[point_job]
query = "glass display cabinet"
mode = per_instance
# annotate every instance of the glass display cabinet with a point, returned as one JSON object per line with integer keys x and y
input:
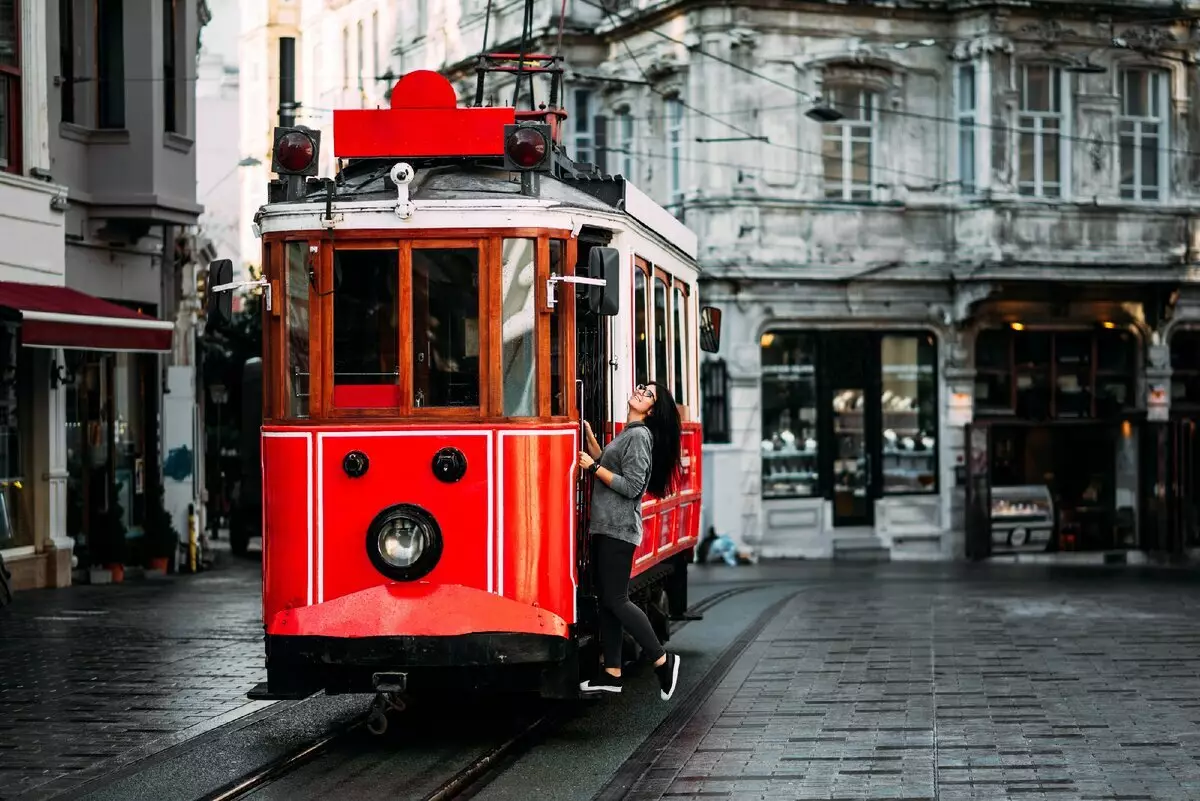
{"x": 1022, "y": 518}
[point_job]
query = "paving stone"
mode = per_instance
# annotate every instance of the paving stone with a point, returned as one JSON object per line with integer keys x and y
{"x": 89, "y": 674}
{"x": 955, "y": 683}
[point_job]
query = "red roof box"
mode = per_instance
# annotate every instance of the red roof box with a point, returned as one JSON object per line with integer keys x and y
{"x": 423, "y": 122}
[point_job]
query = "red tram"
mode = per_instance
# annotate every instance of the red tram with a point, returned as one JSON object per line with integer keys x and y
{"x": 438, "y": 322}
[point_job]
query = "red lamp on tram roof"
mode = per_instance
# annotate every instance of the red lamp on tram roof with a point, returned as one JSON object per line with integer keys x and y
{"x": 296, "y": 151}
{"x": 527, "y": 147}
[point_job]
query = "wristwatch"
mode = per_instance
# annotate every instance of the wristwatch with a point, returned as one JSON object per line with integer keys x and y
{"x": 593, "y": 467}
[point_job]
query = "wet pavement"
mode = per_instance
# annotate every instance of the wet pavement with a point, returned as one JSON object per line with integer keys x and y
{"x": 821, "y": 681}
{"x": 92, "y": 677}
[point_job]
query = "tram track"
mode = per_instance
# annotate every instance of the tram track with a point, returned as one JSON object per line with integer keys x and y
{"x": 482, "y": 767}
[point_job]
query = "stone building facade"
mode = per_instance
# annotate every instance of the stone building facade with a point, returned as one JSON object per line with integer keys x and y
{"x": 959, "y": 307}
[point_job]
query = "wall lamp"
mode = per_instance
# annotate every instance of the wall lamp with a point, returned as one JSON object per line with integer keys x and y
{"x": 60, "y": 374}
{"x": 821, "y": 111}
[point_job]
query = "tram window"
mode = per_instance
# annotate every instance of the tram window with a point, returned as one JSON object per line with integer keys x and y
{"x": 558, "y": 400}
{"x": 366, "y": 330}
{"x": 662, "y": 370}
{"x": 641, "y": 347}
{"x": 679, "y": 312}
{"x": 445, "y": 326}
{"x": 297, "y": 282}
{"x": 518, "y": 317}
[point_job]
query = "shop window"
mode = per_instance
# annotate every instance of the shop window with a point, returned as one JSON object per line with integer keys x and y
{"x": 662, "y": 368}
{"x": 1042, "y": 375}
{"x": 13, "y": 377}
{"x": 641, "y": 346}
{"x": 519, "y": 318}
{"x": 714, "y": 407}
{"x": 128, "y": 439}
{"x": 789, "y": 415}
{"x": 908, "y": 401}
{"x": 679, "y": 310}
{"x": 366, "y": 330}
{"x": 445, "y": 326}
{"x": 296, "y": 280}
{"x": 1185, "y": 371}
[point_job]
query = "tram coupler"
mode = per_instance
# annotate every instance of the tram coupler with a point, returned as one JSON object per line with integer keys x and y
{"x": 389, "y": 682}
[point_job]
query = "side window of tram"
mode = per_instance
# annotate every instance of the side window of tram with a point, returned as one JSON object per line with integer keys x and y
{"x": 445, "y": 326}
{"x": 297, "y": 328}
{"x": 366, "y": 329}
{"x": 661, "y": 321}
{"x": 679, "y": 312}
{"x": 641, "y": 346}
{"x": 558, "y": 382}
{"x": 518, "y": 317}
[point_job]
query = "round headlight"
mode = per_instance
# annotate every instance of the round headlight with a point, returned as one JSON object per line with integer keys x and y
{"x": 404, "y": 542}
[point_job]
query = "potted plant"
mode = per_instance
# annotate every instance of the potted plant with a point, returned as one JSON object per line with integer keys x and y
{"x": 162, "y": 538}
{"x": 108, "y": 538}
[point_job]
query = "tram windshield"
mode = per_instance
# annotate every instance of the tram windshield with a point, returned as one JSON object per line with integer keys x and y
{"x": 421, "y": 327}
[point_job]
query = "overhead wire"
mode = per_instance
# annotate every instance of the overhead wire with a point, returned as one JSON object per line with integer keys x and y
{"x": 978, "y": 124}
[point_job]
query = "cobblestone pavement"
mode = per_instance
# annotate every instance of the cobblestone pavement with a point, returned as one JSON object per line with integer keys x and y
{"x": 917, "y": 682}
{"x": 94, "y": 675}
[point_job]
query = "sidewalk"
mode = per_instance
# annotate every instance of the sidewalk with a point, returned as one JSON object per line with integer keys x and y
{"x": 94, "y": 676}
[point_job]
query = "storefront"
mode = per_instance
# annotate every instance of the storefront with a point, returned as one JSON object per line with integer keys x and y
{"x": 850, "y": 436}
{"x": 1054, "y": 450}
{"x": 78, "y": 417}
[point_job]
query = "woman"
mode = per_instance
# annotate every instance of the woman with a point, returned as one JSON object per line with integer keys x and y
{"x": 644, "y": 457}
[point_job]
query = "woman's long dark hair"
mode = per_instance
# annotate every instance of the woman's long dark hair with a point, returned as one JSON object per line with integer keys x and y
{"x": 663, "y": 422}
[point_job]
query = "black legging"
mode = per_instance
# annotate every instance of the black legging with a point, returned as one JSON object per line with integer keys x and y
{"x": 612, "y": 562}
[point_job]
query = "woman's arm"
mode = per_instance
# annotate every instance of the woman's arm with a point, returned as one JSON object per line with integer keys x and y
{"x": 635, "y": 467}
{"x": 591, "y": 445}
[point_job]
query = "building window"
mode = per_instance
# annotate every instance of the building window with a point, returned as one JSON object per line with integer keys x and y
{"x": 170, "y": 88}
{"x": 1143, "y": 134}
{"x": 714, "y": 408}
{"x": 789, "y": 415}
{"x": 10, "y": 86}
{"x": 967, "y": 132}
{"x": 422, "y": 17}
{"x": 375, "y": 71}
{"x": 362, "y": 56}
{"x": 345, "y": 58}
{"x": 66, "y": 59}
{"x": 908, "y": 399}
{"x": 1041, "y": 166}
{"x": 1185, "y": 372}
{"x": 641, "y": 347}
{"x": 849, "y": 145}
{"x": 581, "y": 115}
{"x": 110, "y": 64}
{"x": 675, "y": 151}
{"x": 625, "y": 144}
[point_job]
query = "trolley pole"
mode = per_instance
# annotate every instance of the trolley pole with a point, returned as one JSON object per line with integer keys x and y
{"x": 287, "y": 82}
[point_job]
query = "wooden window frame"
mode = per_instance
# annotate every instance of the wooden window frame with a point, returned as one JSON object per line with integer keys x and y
{"x": 490, "y": 243}
{"x": 12, "y": 77}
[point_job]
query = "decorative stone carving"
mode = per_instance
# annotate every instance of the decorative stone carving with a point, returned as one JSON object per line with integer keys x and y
{"x": 1050, "y": 31}
{"x": 981, "y": 46}
{"x": 966, "y": 296}
{"x": 1147, "y": 39}
{"x": 743, "y": 38}
{"x": 663, "y": 65}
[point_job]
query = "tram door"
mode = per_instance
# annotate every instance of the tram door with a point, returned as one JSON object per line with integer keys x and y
{"x": 592, "y": 381}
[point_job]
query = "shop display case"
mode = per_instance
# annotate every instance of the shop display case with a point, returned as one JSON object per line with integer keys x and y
{"x": 1022, "y": 518}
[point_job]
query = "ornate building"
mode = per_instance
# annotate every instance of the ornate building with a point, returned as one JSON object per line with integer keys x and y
{"x": 928, "y": 226}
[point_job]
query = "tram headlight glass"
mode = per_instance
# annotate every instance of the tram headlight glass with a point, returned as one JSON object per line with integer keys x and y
{"x": 527, "y": 147}
{"x": 295, "y": 151}
{"x": 404, "y": 542}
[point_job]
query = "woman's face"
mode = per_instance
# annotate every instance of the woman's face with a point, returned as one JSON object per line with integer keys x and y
{"x": 642, "y": 398}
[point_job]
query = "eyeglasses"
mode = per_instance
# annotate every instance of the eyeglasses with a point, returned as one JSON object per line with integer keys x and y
{"x": 644, "y": 391}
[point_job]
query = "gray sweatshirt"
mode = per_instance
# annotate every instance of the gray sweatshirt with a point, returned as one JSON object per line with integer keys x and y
{"x": 617, "y": 510}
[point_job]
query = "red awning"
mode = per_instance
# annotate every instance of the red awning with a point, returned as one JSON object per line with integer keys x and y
{"x": 58, "y": 317}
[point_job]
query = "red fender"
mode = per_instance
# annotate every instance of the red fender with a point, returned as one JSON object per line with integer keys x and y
{"x": 417, "y": 609}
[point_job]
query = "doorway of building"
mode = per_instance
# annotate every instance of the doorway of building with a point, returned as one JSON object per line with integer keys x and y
{"x": 853, "y": 418}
